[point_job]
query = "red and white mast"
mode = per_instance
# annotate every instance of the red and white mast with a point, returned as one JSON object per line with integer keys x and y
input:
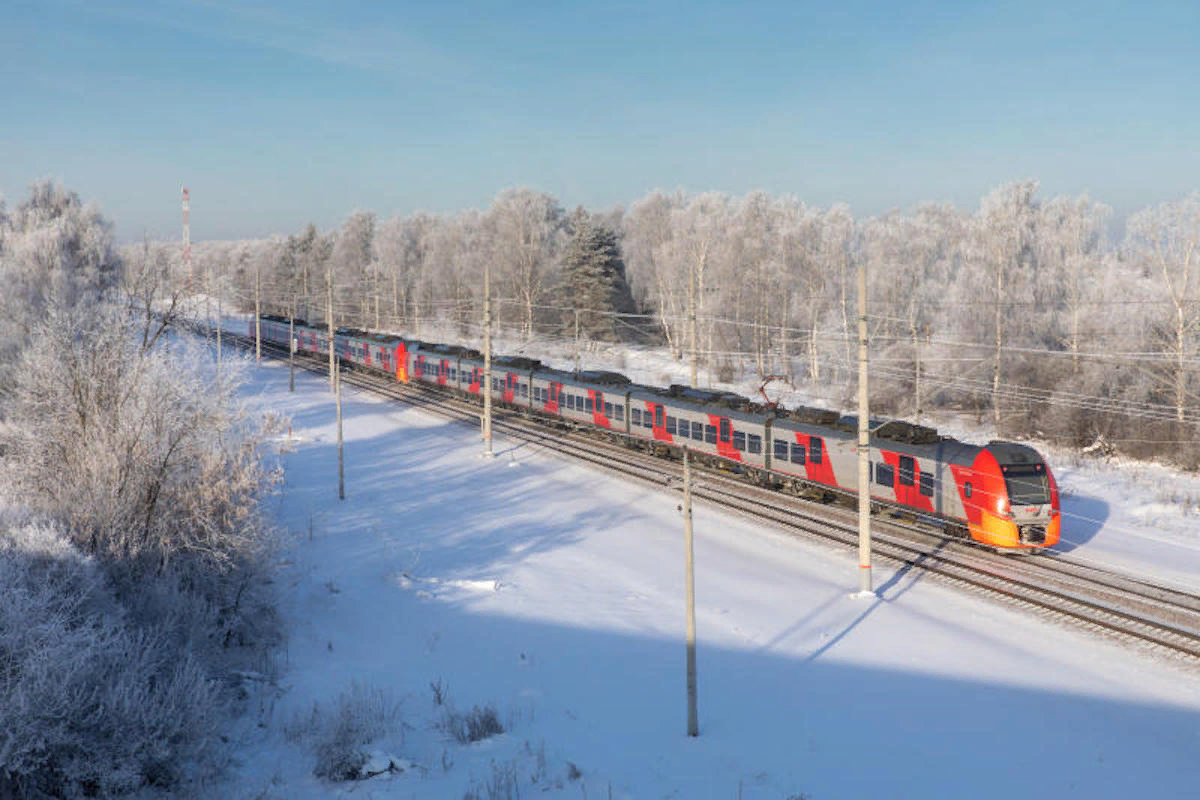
{"x": 187, "y": 239}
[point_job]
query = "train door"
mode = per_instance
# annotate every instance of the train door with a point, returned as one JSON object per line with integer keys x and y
{"x": 597, "y": 398}
{"x": 906, "y": 480}
{"x": 660, "y": 423}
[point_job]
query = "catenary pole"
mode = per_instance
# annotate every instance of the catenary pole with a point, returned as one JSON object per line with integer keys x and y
{"x": 257, "y": 310}
{"x": 693, "y": 723}
{"x": 487, "y": 361}
{"x": 577, "y": 340}
{"x": 692, "y": 322}
{"x": 329, "y": 321}
{"x": 341, "y": 462}
{"x": 292, "y": 349}
{"x": 864, "y": 442}
{"x": 219, "y": 346}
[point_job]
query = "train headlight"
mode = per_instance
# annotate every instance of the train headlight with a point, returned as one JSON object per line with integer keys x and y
{"x": 1001, "y": 505}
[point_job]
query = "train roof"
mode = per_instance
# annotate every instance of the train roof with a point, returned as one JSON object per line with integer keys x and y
{"x": 601, "y": 378}
{"x": 385, "y": 338}
{"x": 1013, "y": 453}
{"x": 678, "y": 393}
{"x": 452, "y": 350}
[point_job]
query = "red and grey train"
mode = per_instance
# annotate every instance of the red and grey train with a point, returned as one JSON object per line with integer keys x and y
{"x": 1001, "y": 494}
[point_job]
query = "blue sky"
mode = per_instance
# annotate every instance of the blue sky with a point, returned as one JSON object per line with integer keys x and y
{"x": 281, "y": 113}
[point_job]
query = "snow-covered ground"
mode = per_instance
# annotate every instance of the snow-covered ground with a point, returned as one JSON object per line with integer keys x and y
{"x": 555, "y": 595}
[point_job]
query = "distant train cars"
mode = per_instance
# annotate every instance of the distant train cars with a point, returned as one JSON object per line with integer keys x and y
{"x": 1001, "y": 494}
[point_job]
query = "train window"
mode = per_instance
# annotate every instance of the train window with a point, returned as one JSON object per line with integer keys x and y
{"x": 967, "y": 489}
{"x": 815, "y": 452}
{"x": 885, "y": 475}
{"x": 710, "y": 434}
{"x": 608, "y": 410}
{"x": 587, "y": 404}
{"x": 797, "y": 453}
{"x": 671, "y": 425}
{"x": 648, "y": 419}
{"x": 724, "y": 430}
{"x": 908, "y": 468}
{"x": 781, "y": 450}
{"x": 635, "y": 415}
{"x": 739, "y": 440}
{"x": 619, "y": 408}
{"x": 754, "y": 443}
{"x": 697, "y": 432}
{"x": 927, "y": 484}
{"x": 659, "y": 421}
{"x": 524, "y": 390}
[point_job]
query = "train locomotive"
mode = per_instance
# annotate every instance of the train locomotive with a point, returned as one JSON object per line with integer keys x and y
{"x": 1001, "y": 494}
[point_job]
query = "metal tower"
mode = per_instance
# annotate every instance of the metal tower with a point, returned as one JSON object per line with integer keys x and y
{"x": 187, "y": 240}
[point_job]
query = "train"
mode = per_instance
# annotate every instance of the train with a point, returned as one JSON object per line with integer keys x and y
{"x": 1001, "y": 495}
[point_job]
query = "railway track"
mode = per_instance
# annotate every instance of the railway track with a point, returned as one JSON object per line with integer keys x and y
{"x": 1163, "y": 619}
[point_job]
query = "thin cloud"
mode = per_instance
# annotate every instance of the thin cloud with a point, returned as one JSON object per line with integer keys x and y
{"x": 313, "y": 33}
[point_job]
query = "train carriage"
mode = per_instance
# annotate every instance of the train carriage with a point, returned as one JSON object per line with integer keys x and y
{"x": 596, "y": 398}
{"x": 350, "y": 344}
{"x": 435, "y": 364}
{"x": 548, "y": 391}
{"x": 719, "y": 424}
{"x": 813, "y": 448}
{"x": 272, "y": 328}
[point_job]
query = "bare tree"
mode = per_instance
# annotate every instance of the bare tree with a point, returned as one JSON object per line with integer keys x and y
{"x": 528, "y": 234}
{"x": 1165, "y": 241}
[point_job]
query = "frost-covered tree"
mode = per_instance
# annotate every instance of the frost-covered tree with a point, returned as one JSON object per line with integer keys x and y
{"x": 527, "y": 233}
{"x": 55, "y": 252}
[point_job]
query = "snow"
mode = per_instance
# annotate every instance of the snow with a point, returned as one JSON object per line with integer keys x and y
{"x": 555, "y": 594}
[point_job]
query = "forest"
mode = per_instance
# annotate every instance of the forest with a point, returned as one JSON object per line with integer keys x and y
{"x": 1030, "y": 314}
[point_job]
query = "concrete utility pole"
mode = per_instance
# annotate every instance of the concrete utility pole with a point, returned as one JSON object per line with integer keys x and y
{"x": 693, "y": 723}
{"x": 692, "y": 322}
{"x": 219, "y": 346}
{"x": 487, "y": 362}
{"x": 257, "y": 311}
{"x": 577, "y": 340}
{"x": 864, "y": 443}
{"x": 329, "y": 319}
{"x": 341, "y": 463}
{"x": 292, "y": 350}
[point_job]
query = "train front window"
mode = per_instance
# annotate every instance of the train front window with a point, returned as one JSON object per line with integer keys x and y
{"x": 1027, "y": 484}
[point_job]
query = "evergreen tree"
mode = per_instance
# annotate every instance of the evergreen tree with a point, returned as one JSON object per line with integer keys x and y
{"x": 594, "y": 279}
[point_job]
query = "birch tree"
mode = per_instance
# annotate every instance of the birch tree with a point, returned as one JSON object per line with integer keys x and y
{"x": 1165, "y": 242}
{"x": 528, "y": 232}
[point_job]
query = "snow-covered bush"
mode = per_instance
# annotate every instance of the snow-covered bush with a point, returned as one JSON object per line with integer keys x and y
{"x": 340, "y": 736}
{"x": 480, "y": 723}
{"x": 145, "y": 457}
{"x": 90, "y": 704}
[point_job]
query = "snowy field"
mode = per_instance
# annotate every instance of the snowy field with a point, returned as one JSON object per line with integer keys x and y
{"x": 554, "y": 595}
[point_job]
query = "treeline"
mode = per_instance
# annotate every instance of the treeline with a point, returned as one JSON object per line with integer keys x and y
{"x": 1025, "y": 312}
{"x": 133, "y": 554}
